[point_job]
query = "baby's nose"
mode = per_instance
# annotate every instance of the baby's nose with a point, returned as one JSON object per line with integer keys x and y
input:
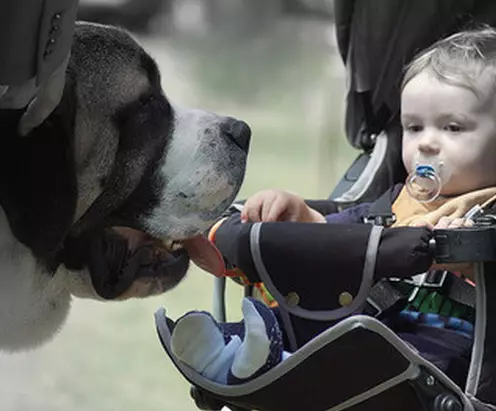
{"x": 429, "y": 144}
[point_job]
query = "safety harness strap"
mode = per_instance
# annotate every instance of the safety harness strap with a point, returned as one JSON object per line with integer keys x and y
{"x": 392, "y": 295}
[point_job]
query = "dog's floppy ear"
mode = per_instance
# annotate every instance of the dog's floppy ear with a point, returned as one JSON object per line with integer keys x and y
{"x": 143, "y": 129}
{"x": 37, "y": 178}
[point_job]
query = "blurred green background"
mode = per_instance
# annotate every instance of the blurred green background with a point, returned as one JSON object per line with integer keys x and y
{"x": 282, "y": 75}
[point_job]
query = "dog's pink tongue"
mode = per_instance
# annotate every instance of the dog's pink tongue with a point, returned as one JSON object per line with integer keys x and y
{"x": 205, "y": 255}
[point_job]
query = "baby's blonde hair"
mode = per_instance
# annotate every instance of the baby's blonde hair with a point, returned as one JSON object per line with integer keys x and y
{"x": 458, "y": 59}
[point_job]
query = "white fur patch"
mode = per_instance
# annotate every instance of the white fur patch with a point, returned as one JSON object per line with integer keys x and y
{"x": 200, "y": 173}
{"x": 33, "y": 304}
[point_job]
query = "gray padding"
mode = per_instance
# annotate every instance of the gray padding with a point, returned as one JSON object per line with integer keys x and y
{"x": 475, "y": 368}
{"x": 357, "y": 190}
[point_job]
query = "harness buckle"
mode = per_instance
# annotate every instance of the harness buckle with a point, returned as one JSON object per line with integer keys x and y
{"x": 384, "y": 299}
{"x": 385, "y": 220}
{"x": 435, "y": 279}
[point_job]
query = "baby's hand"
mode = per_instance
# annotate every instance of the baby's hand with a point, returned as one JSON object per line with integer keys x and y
{"x": 449, "y": 223}
{"x": 466, "y": 269}
{"x": 444, "y": 223}
{"x": 278, "y": 205}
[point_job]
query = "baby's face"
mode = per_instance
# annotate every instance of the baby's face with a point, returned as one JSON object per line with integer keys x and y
{"x": 454, "y": 125}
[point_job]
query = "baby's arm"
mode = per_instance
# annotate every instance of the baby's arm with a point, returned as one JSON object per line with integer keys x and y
{"x": 279, "y": 205}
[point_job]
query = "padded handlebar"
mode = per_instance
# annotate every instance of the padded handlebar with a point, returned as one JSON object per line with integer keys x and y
{"x": 474, "y": 244}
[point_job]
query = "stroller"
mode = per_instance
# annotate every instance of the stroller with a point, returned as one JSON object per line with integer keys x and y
{"x": 359, "y": 363}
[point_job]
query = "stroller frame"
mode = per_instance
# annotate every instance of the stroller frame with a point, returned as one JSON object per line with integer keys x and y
{"x": 438, "y": 390}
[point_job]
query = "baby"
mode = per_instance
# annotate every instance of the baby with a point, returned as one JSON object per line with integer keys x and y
{"x": 448, "y": 114}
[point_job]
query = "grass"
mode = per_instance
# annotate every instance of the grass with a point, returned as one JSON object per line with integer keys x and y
{"x": 107, "y": 357}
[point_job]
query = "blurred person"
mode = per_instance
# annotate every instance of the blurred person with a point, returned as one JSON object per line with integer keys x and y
{"x": 35, "y": 43}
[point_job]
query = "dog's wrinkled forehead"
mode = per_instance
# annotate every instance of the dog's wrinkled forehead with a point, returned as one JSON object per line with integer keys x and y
{"x": 120, "y": 108}
{"x": 114, "y": 67}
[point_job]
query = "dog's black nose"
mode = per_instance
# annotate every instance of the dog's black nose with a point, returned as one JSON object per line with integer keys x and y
{"x": 238, "y": 131}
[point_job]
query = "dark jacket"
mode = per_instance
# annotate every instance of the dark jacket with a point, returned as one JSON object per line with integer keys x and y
{"x": 35, "y": 38}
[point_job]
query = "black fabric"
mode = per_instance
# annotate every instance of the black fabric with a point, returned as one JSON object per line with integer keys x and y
{"x": 401, "y": 397}
{"x": 233, "y": 240}
{"x": 324, "y": 261}
{"x": 205, "y": 400}
{"x": 377, "y": 37}
{"x": 317, "y": 261}
{"x": 343, "y": 14}
{"x": 321, "y": 261}
{"x": 19, "y": 27}
{"x": 403, "y": 252}
{"x": 446, "y": 349}
{"x": 342, "y": 370}
{"x": 38, "y": 178}
{"x": 293, "y": 250}
{"x": 468, "y": 244}
{"x": 35, "y": 38}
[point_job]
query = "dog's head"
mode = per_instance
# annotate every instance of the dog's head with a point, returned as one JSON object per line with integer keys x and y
{"x": 122, "y": 178}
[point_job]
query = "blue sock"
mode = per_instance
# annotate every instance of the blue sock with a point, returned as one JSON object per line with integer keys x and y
{"x": 262, "y": 346}
{"x": 227, "y": 353}
{"x": 198, "y": 341}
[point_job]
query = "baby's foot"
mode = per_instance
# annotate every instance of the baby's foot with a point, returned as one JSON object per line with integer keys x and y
{"x": 226, "y": 353}
{"x": 262, "y": 346}
{"x": 198, "y": 341}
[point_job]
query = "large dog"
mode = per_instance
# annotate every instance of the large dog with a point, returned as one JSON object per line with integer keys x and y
{"x": 109, "y": 195}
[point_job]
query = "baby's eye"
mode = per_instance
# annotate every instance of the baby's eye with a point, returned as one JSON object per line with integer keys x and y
{"x": 454, "y": 128}
{"x": 413, "y": 128}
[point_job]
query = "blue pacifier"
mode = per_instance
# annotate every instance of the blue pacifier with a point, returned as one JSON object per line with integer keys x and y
{"x": 424, "y": 184}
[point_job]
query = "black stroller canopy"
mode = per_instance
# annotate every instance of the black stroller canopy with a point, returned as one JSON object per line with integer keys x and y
{"x": 376, "y": 38}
